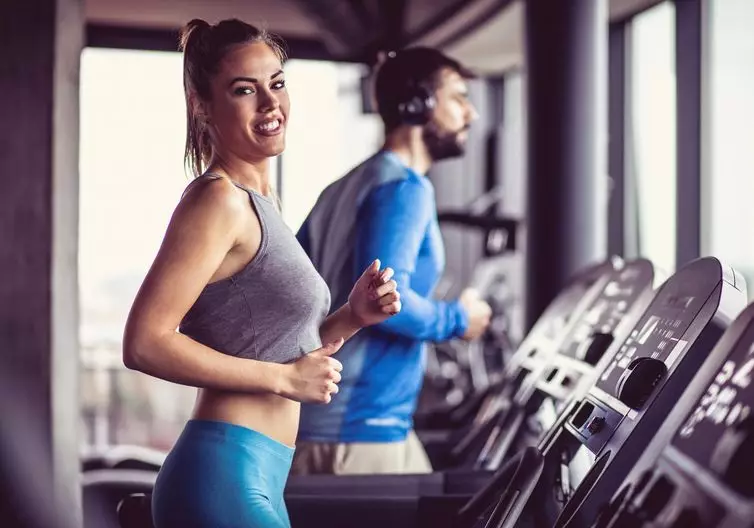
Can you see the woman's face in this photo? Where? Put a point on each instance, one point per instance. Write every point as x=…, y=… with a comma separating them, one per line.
x=249, y=108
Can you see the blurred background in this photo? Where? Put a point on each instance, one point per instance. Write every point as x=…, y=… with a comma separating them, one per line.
x=92, y=94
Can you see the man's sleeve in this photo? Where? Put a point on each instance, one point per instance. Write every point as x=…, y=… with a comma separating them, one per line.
x=392, y=224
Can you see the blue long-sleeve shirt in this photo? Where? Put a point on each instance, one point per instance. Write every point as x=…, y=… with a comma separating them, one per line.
x=381, y=209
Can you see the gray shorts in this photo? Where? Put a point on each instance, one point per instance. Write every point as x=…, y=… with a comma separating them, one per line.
x=406, y=457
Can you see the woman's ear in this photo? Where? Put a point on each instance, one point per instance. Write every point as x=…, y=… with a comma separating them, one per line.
x=198, y=109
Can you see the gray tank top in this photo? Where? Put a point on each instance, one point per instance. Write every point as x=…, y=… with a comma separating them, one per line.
x=272, y=309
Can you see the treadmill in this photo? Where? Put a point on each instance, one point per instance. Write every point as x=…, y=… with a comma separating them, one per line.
x=466, y=420
x=699, y=469
x=573, y=368
x=599, y=438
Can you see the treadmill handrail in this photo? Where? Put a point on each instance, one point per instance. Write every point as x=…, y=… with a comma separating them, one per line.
x=519, y=474
x=480, y=221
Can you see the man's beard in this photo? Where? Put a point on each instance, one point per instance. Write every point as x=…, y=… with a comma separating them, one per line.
x=443, y=144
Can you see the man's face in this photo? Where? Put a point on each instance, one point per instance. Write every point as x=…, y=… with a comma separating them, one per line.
x=447, y=131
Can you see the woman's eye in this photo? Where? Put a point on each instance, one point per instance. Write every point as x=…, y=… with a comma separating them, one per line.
x=244, y=90
x=279, y=85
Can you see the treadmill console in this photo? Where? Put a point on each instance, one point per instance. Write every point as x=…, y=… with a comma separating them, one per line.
x=629, y=290
x=533, y=354
x=604, y=314
x=699, y=469
x=542, y=341
x=605, y=433
x=543, y=393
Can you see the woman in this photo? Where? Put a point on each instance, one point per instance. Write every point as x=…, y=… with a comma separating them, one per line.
x=250, y=307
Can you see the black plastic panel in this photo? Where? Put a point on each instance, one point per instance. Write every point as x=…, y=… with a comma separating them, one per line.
x=606, y=312
x=659, y=332
x=726, y=403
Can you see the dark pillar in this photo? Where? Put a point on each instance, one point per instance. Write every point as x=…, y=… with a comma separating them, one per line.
x=566, y=67
x=40, y=48
x=689, y=19
x=617, y=118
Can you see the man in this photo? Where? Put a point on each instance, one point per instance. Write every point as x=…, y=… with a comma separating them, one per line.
x=385, y=208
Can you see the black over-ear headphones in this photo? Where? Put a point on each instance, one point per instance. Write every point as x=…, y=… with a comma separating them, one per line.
x=413, y=100
x=415, y=105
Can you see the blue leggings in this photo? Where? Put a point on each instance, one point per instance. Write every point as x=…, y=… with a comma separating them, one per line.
x=222, y=475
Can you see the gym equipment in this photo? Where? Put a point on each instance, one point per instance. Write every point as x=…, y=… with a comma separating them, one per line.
x=124, y=457
x=699, y=468
x=572, y=369
x=472, y=419
x=601, y=436
x=103, y=490
x=457, y=370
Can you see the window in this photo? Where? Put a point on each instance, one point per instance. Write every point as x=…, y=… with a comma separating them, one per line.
x=132, y=176
x=132, y=141
x=652, y=126
x=728, y=216
x=327, y=133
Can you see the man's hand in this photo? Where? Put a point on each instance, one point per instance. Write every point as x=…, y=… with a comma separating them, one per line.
x=479, y=313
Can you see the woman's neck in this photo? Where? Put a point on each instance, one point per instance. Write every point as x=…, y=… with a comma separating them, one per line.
x=252, y=175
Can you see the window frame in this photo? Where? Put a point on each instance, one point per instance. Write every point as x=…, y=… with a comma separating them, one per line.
x=691, y=147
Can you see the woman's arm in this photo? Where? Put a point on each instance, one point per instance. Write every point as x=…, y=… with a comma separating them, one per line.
x=340, y=323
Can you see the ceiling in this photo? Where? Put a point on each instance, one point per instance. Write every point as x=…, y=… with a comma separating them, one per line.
x=498, y=44
x=485, y=34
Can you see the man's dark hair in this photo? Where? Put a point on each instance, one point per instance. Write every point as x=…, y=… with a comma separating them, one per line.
x=405, y=69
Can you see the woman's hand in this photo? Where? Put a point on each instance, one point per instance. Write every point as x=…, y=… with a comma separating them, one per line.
x=314, y=377
x=374, y=298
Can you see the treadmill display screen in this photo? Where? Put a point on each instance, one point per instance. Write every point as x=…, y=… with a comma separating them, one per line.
x=562, y=310
x=607, y=310
x=659, y=332
x=728, y=400
x=542, y=338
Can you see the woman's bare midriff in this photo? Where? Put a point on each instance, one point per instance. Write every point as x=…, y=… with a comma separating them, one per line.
x=271, y=415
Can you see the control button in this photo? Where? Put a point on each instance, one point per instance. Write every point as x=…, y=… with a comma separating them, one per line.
x=639, y=380
x=733, y=458
x=596, y=425
x=598, y=345
x=658, y=496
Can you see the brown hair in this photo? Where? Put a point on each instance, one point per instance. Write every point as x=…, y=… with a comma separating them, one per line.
x=204, y=47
